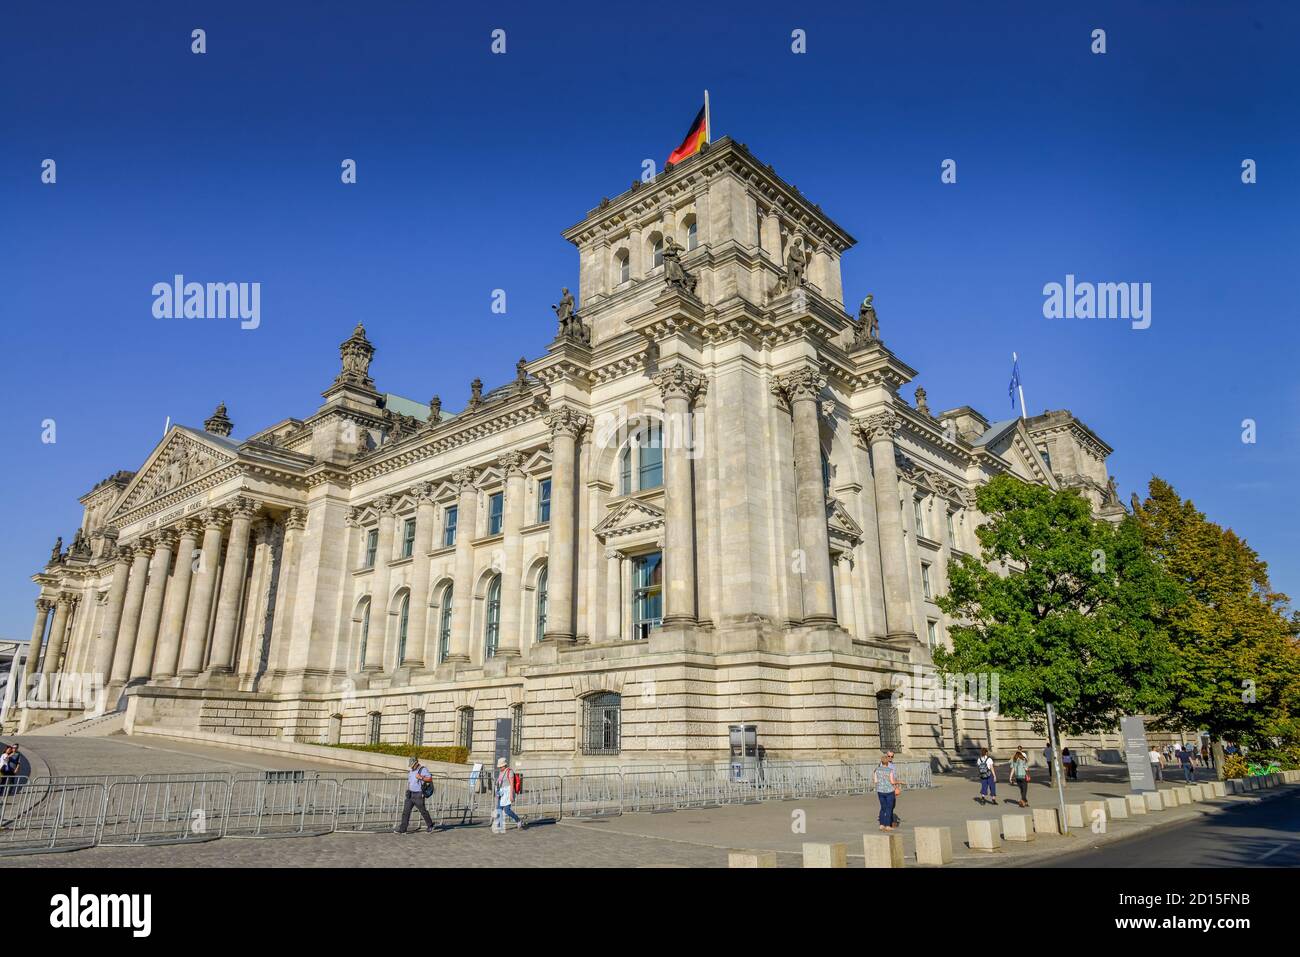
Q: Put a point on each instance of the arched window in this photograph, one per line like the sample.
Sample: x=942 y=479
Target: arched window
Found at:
x=642 y=460
x=417 y=727
x=492 y=620
x=365 y=635
x=403 y=618
x=602 y=720
x=541 y=606
x=887 y=721
x=622 y=266
x=656 y=251
x=444 y=625
x=692 y=234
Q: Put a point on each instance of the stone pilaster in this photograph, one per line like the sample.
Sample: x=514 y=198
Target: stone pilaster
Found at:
x=43 y=608
x=63 y=608
x=253 y=629
x=107 y=644
x=124 y=654
x=679 y=387
x=613 y=594
x=224 y=630
x=167 y=658
x=566 y=425
x=870 y=570
x=377 y=636
x=801 y=389
x=195 y=643
x=844 y=607
x=462 y=604
x=286 y=589
x=881 y=428
x=151 y=613
x=512 y=575
x=417 y=626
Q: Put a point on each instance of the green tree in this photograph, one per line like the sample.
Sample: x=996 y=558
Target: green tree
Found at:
x=1064 y=608
x=1238 y=663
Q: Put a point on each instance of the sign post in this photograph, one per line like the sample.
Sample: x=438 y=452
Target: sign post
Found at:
x=1137 y=753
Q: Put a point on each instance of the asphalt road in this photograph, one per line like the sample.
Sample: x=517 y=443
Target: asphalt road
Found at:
x=1263 y=833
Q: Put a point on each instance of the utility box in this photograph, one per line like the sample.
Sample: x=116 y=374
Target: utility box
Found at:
x=746 y=755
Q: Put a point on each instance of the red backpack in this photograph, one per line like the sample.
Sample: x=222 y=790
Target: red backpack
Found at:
x=518 y=783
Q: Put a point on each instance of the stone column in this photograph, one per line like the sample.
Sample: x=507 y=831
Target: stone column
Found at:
x=462 y=602
x=195 y=642
x=679 y=386
x=104 y=649
x=124 y=653
x=844 y=595
x=566 y=425
x=286 y=590
x=613 y=594
x=253 y=629
x=874 y=616
x=801 y=389
x=512 y=576
x=178 y=593
x=881 y=427
x=417 y=626
x=222 y=660
x=43 y=608
x=377 y=637
x=63 y=605
x=151 y=614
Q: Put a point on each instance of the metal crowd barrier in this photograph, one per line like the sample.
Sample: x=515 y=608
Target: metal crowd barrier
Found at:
x=65 y=818
x=592 y=795
x=370 y=802
x=281 y=807
x=182 y=811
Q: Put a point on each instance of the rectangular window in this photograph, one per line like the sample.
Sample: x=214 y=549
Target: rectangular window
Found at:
x=647 y=594
x=918 y=510
x=372 y=546
x=465 y=731
x=932 y=632
x=449 y=527
x=544 y=500
x=1047 y=458
x=373 y=731
x=952 y=532
x=925 y=579
x=602 y=723
x=408 y=538
x=496 y=507
x=650 y=467
x=417 y=728
x=516 y=729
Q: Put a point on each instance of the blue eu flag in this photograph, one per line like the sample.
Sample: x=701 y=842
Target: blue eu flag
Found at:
x=1015 y=381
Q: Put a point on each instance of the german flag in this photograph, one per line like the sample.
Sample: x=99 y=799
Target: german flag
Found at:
x=697 y=137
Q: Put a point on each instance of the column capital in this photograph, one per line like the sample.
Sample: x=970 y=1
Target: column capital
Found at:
x=679 y=382
x=167 y=539
x=67 y=599
x=423 y=491
x=191 y=528
x=353 y=518
x=214 y=519
x=146 y=546
x=297 y=519
x=464 y=479
x=384 y=505
x=877 y=427
x=804 y=383
x=565 y=420
x=243 y=507
x=511 y=463
x=44 y=604
x=613 y=554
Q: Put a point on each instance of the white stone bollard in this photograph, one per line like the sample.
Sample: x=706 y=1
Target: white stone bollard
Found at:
x=1193 y=792
x=751 y=859
x=883 y=850
x=1218 y=789
x=1047 y=820
x=1153 y=800
x=1116 y=808
x=982 y=835
x=1017 y=827
x=825 y=855
x=1235 y=786
x=934 y=846
x=1074 y=815
x=1094 y=811
x=1136 y=803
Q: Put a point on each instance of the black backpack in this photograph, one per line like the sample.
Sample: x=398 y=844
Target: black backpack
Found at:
x=426 y=787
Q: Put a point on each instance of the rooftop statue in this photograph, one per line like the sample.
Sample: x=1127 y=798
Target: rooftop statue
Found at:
x=675 y=273
x=868 y=326
x=571 y=326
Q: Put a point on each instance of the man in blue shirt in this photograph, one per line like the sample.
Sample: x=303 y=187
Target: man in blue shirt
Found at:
x=416 y=778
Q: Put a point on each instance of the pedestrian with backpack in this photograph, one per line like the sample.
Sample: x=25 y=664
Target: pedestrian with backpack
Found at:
x=505 y=798
x=419 y=785
x=1019 y=775
x=887 y=790
x=988 y=782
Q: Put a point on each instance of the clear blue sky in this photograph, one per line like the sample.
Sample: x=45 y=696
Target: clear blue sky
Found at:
x=225 y=166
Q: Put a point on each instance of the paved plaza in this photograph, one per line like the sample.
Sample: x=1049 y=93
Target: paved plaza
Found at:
x=686 y=838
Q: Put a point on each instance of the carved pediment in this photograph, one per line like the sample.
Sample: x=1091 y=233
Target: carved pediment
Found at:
x=179 y=459
x=841 y=524
x=629 y=518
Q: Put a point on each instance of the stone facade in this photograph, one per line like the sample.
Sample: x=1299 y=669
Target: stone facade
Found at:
x=708 y=502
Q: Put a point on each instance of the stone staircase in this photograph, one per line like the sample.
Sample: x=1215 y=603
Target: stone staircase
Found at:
x=81 y=726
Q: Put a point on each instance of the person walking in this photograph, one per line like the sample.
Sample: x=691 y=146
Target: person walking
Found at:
x=1069 y=765
x=1051 y=769
x=419 y=785
x=988 y=781
x=1019 y=775
x=1157 y=765
x=1185 y=759
x=505 y=797
x=887 y=790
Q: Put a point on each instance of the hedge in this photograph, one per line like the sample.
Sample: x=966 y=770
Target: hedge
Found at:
x=449 y=755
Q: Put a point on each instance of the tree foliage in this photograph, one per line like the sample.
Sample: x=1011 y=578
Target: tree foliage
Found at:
x=1063 y=608
x=1238 y=664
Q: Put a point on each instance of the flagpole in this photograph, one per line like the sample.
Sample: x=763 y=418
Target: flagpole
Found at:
x=708 y=124
x=1015 y=362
